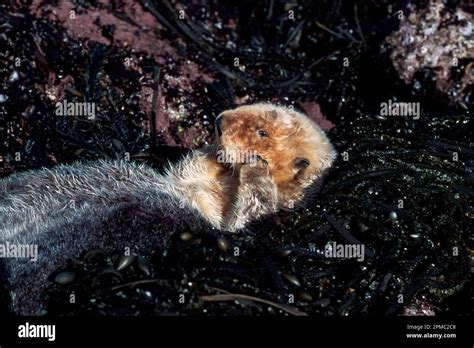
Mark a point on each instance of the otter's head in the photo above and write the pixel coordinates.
(296, 149)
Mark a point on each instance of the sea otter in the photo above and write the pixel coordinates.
(265, 158)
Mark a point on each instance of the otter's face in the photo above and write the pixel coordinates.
(296, 149)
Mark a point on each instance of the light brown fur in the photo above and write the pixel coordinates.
(292, 137)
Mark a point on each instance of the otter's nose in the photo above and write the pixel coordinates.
(218, 125)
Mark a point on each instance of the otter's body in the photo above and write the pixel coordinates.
(69, 209)
(115, 204)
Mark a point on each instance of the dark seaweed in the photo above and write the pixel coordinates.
(395, 187)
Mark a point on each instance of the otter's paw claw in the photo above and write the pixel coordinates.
(259, 162)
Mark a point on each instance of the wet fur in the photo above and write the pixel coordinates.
(114, 204)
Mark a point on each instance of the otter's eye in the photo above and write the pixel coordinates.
(263, 133)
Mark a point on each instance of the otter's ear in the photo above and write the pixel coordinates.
(301, 164)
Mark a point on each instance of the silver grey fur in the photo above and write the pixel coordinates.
(108, 205)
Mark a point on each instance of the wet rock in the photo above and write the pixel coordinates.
(185, 236)
(438, 38)
(125, 261)
(292, 279)
(304, 296)
(222, 244)
(65, 278)
(144, 265)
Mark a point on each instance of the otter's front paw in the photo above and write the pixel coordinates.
(254, 169)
